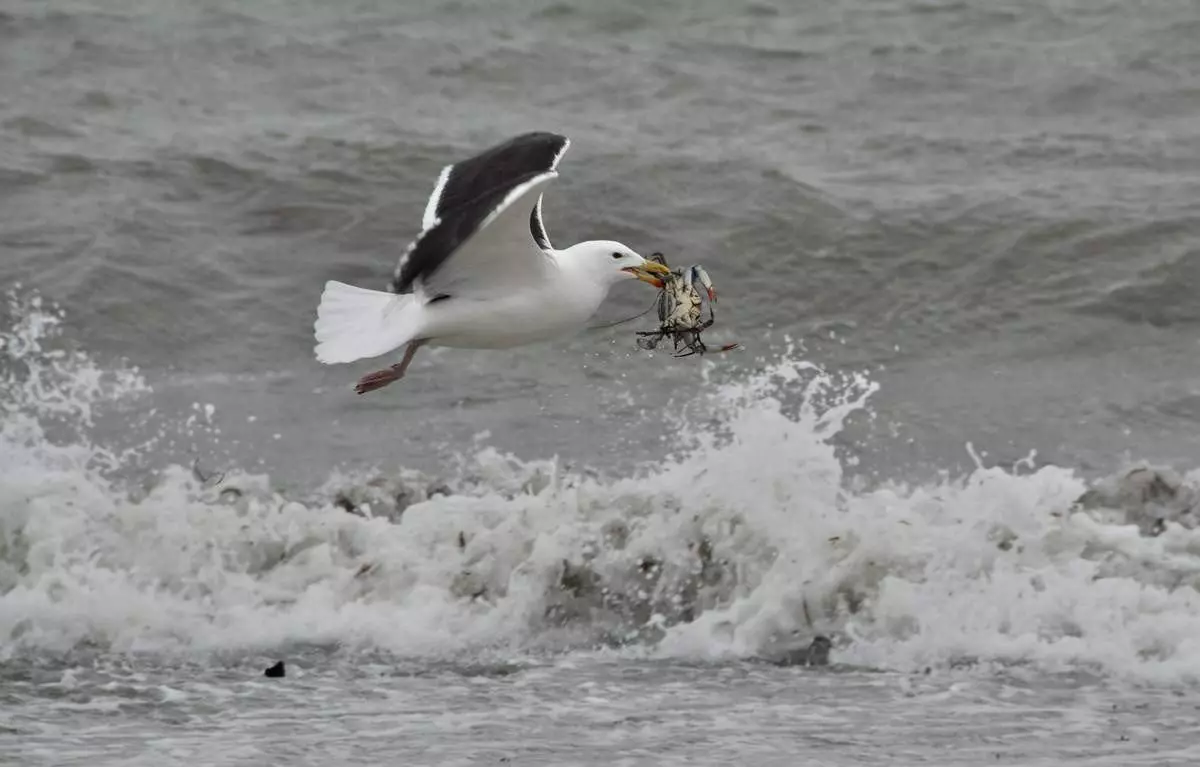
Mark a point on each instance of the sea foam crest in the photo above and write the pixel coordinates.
(747, 540)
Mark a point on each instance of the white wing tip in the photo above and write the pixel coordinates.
(566, 144)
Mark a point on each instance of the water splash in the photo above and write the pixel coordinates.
(746, 539)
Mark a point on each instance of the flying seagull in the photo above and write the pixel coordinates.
(482, 273)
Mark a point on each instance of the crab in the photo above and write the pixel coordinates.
(680, 311)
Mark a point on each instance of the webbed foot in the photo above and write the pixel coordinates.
(378, 379)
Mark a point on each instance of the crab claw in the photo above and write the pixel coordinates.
(699, 273)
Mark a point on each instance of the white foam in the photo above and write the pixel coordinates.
(750, 532)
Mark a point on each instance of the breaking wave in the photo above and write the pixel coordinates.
(749, 539)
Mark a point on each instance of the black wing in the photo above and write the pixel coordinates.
(432, 248)
(501, 167)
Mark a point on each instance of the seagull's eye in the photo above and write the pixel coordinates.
(616, 254)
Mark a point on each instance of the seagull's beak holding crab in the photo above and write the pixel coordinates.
(649, 271)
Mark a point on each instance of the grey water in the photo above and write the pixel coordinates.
(990, 210)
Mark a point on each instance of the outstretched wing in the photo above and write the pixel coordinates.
(498, 167)
(486, 208)
(480, 247)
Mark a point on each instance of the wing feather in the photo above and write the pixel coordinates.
(500, 166)
(479, 247)
(483, 192)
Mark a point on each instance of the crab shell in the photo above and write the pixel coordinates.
(680, 305)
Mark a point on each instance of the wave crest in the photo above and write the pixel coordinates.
(748, 540)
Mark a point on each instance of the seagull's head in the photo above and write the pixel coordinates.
(611, 262)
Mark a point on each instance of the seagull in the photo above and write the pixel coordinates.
(482, 273)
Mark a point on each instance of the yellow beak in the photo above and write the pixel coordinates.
(648, 272)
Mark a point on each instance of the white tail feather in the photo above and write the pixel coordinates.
(356, 323)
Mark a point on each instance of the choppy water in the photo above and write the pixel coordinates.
(959, 240)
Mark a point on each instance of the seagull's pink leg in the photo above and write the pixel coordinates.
(381, 378)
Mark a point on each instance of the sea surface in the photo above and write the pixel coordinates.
(958, 241)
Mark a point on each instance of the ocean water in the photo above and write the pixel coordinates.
(958, 241)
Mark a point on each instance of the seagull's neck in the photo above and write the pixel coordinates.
(566, 260)
(569, 264)
(573, 268)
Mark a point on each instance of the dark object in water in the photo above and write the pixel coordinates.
(815, 654)
(345, 504)
(275, 671)
(680, 314)
(204, 478)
